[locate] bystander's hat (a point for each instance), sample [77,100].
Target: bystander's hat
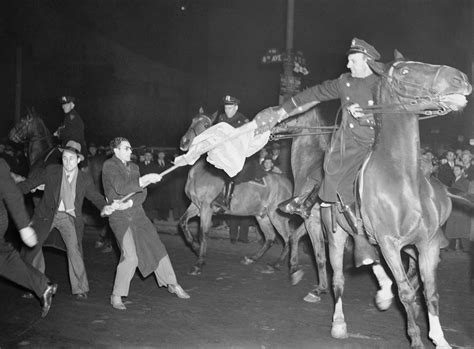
[73,147]
[359,45]
[66,99]
[230,100]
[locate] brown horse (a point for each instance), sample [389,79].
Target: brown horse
[204,184]
[32,131]
[400,207]
[311,137]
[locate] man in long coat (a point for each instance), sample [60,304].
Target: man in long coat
[12,267]
[136,235]
[60,210]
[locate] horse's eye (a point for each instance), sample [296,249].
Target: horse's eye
[404,71]
[457,82]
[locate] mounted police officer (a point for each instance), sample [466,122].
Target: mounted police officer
[73,126]
[355,136]
[233,117]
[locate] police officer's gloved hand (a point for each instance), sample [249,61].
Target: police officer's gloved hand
[356,111]
[268,118]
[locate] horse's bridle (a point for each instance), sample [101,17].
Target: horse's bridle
[200,117]
[416,104]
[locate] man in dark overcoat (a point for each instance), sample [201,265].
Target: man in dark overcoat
[12,267]
[60,211]
[137,237]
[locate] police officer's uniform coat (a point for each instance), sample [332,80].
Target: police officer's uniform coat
[352,141]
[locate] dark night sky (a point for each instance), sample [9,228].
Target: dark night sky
[141,68]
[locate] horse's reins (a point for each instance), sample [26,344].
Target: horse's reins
[275,135]
[399,108]
[430,97]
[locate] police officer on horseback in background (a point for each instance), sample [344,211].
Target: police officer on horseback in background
[73,126]
[251,170]
[353,140]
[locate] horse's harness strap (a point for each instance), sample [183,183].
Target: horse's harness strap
[416,103]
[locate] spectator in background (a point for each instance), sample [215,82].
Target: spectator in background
[275,154]
[163,193]
[459,222]
[148,165]
[269,166]
[178,200]
[446,169]
[262,155]
[466,158]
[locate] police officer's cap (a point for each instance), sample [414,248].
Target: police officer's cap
[359,45]
[230,100]
[66,99]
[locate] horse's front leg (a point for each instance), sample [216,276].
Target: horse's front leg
[269,234]
[191,211]
[296,272]
[428,262]
[337,241]
[205,225]
[315,232]
[384,297]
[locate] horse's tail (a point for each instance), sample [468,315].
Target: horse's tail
[461,197]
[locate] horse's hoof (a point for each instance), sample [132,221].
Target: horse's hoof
[247,261]
[442,344]
[383,300]
[268,270]
[339,329]
[195,271]
[296,277]
[312,298]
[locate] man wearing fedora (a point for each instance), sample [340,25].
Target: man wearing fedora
[60,210]
[73,126]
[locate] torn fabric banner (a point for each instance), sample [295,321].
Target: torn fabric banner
[226,147]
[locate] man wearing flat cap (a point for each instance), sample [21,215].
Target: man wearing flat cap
[60,210]
[355,136]
[72,128]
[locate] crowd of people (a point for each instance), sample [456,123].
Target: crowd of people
[454,168]
[125,185]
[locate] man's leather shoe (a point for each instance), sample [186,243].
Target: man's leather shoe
[178,290]
[81,296]
[47,298]
[116,302]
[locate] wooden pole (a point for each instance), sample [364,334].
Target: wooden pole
[19,60]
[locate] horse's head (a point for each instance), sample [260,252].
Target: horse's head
[22,129]
[199,124]
[427,88]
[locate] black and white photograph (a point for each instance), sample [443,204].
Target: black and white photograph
[232,174]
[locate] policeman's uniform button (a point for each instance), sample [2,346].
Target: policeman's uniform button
[370,102]
[371,128]
[348,84]
[351,125]
[347,98]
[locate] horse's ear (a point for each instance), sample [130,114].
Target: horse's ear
[398,55]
